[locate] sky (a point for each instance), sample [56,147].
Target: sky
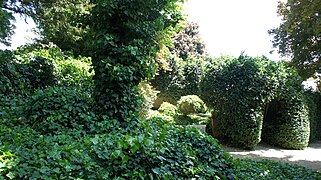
[228,27]
[23,33]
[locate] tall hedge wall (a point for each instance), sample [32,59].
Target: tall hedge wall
[239,89]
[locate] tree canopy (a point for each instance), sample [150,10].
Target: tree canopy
[58,21]
[299,35]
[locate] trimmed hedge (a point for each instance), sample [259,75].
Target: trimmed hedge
[313,102]
[238,89]
[286,124]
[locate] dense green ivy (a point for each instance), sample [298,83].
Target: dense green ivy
[123,40]
[23,71]
[156,150]
[313,102]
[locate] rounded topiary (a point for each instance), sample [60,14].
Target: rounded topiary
[168,109]
[191,104]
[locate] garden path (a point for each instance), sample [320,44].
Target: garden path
[309,157]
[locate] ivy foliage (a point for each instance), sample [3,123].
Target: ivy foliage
[23,71]
[123,40]
[239,89]
[148,152]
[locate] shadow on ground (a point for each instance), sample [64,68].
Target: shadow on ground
[309,157]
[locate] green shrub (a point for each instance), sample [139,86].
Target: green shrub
[11,81]
[66,70]
[55,109]
[21,72]
[239,89]
[149,95]
[157,114]
[191,104]
[287,117]
[287,124]
[168,109]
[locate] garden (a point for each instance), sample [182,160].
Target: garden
[118,98]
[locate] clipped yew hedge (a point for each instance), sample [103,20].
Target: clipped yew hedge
[240,89]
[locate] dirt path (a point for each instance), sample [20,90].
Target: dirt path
[309,157]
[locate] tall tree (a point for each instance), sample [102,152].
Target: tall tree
[123,41]
[299,35]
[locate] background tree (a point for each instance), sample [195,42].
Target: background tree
[299,35]
[57,21]
[188,42]
[184,70]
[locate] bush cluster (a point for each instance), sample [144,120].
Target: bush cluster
[24,71]
[190,110]
[53,132]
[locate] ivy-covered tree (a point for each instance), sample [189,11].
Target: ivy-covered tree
[299,35]
[123,41]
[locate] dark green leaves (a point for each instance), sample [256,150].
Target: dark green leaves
[299,35]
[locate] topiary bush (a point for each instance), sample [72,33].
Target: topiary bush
[286,124]
[191,104]
[287,117]
[239,90]
[168,109]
